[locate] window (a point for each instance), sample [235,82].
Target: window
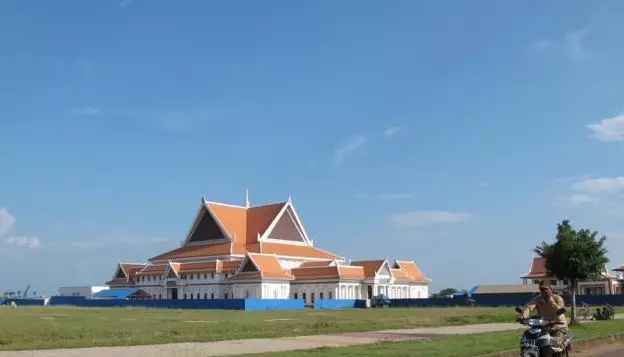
[197,296]
[184,296]
[211,296]
[205,276]
[247,294]
[205,296]
[191,276]
[225,296]
[312,298]
[330,295]
[304,297]
[159,296]
[296,296]
[321,296]
[226,275]
[211,275]
[149,278]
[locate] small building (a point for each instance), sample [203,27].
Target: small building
[123,294]
[505,289]
[86,291]
[607,285]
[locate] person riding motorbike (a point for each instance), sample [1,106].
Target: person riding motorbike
[547,304]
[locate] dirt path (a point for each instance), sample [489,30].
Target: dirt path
[615,350]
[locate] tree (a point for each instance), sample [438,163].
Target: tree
[576,255]
[445,292]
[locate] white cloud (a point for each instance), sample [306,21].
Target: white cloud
[385,196]
[602,184]
[354,143]
[541,46]
[604,193]
[86,110]
[7,222]
[21,241]
[392,130]
[428,218]
[573,44]
[608,129]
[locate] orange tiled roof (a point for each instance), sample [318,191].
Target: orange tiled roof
[329,272]
[131,268]
[412,270]
[292,250]
[195,251]
[315,264]
[244,224]
[153,269]
[231,265]
[400,274]
[199,267]
[118,282]
[538,269]
[269,268]
[371,267]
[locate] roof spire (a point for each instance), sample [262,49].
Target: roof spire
[247,203]
[290,199]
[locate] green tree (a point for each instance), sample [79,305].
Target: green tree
[445,292]
[576,255]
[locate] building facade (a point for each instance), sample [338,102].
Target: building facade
[86,291]
[608,285]
[233,251]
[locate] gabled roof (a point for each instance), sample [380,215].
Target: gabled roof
[620,268]
[153,269]
[413,272]
[266,267]
[539,271]
[128,271]
[371,267]
[243,227]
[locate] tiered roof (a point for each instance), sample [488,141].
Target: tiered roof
[538,270]
[249,241]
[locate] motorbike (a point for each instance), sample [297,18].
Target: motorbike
[535,340]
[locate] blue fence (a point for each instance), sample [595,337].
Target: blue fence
[274,304]
[27,302]
[335,304]
[223,304]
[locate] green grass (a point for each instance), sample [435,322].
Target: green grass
[28,328]
[451,346]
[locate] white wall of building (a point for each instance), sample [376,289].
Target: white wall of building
[87,291]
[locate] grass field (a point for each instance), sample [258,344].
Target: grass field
[452,346]
[66,327]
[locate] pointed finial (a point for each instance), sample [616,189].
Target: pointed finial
[290,199]
[203,198]
[247,203]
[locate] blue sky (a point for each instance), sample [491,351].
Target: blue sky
[453,133]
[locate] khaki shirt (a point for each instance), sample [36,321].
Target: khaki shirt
[546,309]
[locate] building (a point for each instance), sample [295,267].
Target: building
[607,285]
[233,251]
[86,291]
